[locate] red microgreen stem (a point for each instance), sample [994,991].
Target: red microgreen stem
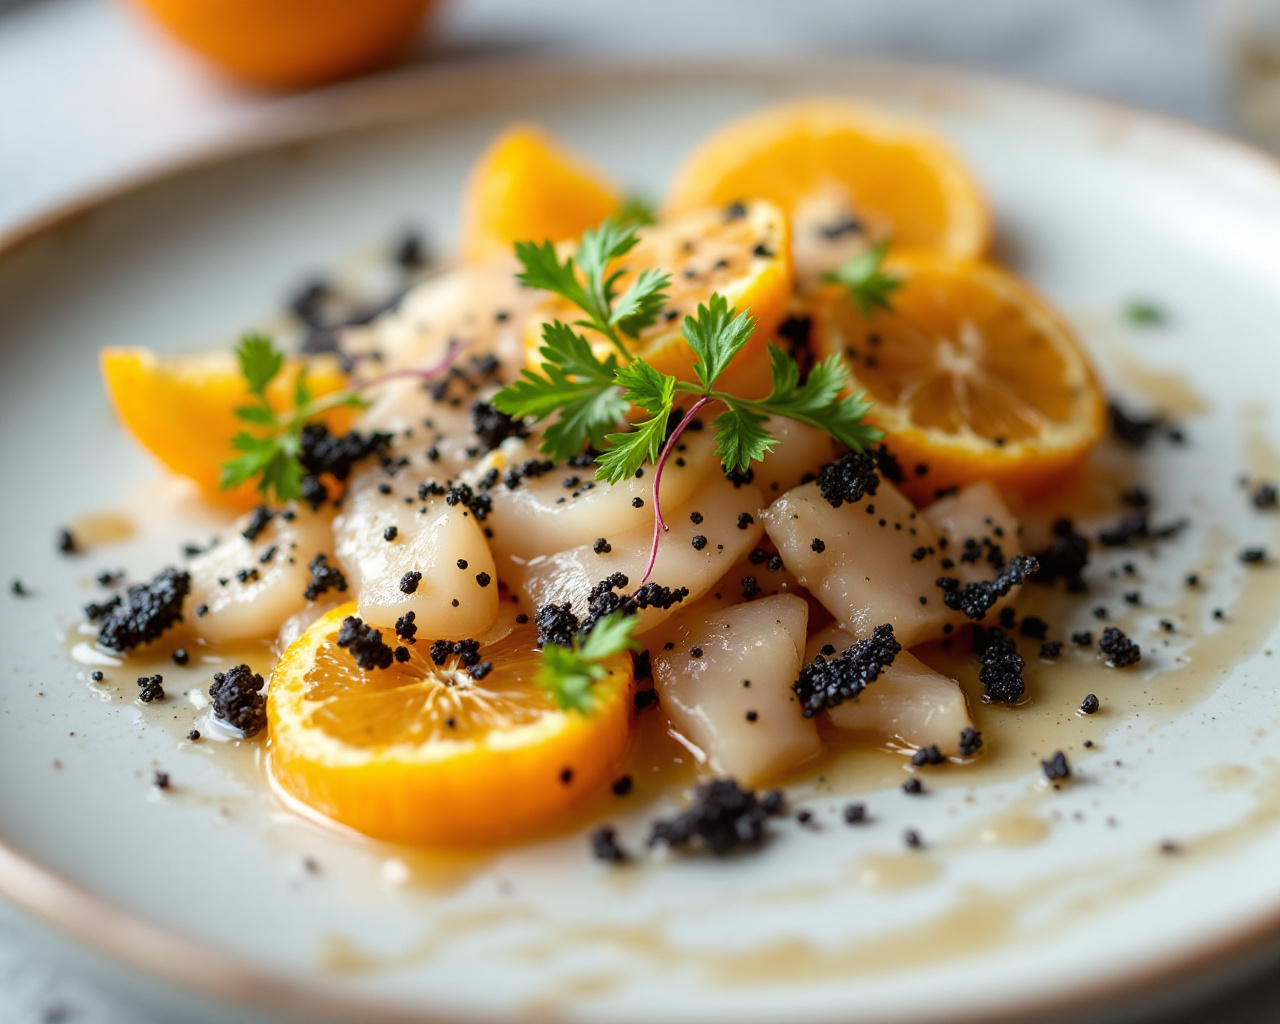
[455,349]
[659,523]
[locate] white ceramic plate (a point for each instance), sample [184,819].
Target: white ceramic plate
[1027,901]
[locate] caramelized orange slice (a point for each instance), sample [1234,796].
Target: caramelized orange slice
[525,187]
[430,754]
[182,409]
[974,376]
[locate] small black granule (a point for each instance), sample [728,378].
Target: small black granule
[462,494]
[695,652]
[180,656]
[406,630]
[365,644]
[774,564]
[722,817]
[96,675]
[160,780]
[409,581]
[484,579]
[493,427]
[410,252]
[259,519]
[827,683]
[1008,618]
[149,689]
[476,672]
[913,787]
[637,502]
[970,742]
[645,699]
[402,654]
[1136,497]
[556,624]
[248,575]
[1065,558]
[1051,649]
[604,846]
[323,452]
[699,542]
[1118,648]
[642,666]
[1090,704]
[601,546]
[745,519]
[17,589]
[927,755]
[695,518]
[804,816]
[912,838]
[193,735]
[848,478]
[144,612]
[854,814]
[1265,496]
[236,698]
[1056,767]
[1034,628]
[466,651]
[67,542]
[977,598]
[521,619]
[1082,639]
[324,577]
[622,785]
[390,533]
[1133,431]
[1002,665]
[817,545]
[750,587]
[1253,556]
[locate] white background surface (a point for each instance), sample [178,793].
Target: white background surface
[89,94]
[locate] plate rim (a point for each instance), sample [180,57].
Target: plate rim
[170,957]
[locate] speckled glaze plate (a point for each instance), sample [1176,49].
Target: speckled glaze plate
[1148,879]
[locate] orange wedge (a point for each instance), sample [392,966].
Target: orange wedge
[838,167]
[525,187]
[741,251]
[974,376]
[420,753]
[182,409]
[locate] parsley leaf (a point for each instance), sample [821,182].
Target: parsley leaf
[568,674]
[260,362]
[717,334]
[638,210]
[865,279]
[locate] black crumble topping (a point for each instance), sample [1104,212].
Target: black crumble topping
[180,656]
[466,651]
[324,577]
[927,756]
[1253,556]
[150,688]
[977,598]
[492,427]
[337,455]
[406,630]
[143,612]
[1002,665]
[365,644]
[604,846]
[409,581]
[1084,638]
[848,478]
[1051,649]
[462,494]
[827,683]
[970,741]
[67,542]
[259,519]
[913,787]
[530,469]
[484,579]
[1056,768]
[1136,526]
[1090,704]
[601,546]
[1065,558]
[745,519]
[1265,496]
[854,814]
[236,698]
[390,533]
[1034,628]
[1133,431]
[722,817]
[1120,651]
[889,466]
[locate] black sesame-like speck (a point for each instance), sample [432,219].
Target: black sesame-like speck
[928,756]
[1051,649]
[193,735]
[817,545]
[970,741]
[1002,665]
[695,518]
[622,785]
[409,581]
[1090,704]
[601,546]
[913,787]
[484,579]
[699,542]
[390,534]
[1056,768]
[637,502]
[1253,556]
[96,675]
[745,519]
[695,652]
[912,838]
[854,814]
[180,656]
[67,543]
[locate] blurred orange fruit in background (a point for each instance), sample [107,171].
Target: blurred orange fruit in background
[291,43]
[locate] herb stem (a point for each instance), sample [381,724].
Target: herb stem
[659,523]
[451,354]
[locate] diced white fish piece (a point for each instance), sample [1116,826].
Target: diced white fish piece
[826,233]
[801,450]
[860,560]
[406,405]
[908,706]
[483,307]
[733,698]
[978,514]
[446,544]
[567,507]
[249,588]
[570,575]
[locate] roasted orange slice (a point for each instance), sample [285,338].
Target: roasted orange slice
[437,754]
[527,187]
[741,251]
[182,408]
[974,376]
[844,173]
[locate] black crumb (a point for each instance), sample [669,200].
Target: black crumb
[722,817]
[236,698]
[826,683]
[1090,704]
[1002,665]
[854,814]
[193,735]
[180,656]
[143,612]
[324,577]
[912,838]
[849,478]
[622,785]
[970,742]
[976,598]
[1056,767]
[1051,649]
[150,688]
[409,581]
[1253,556]
[160,780]
[67,542]
[365,644]
[927,755]
[1120,651]
[604,846]
[913,787]
[1265,496]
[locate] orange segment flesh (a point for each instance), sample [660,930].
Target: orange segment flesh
[423,754]
[974,377]
[182,409]
[525,187]
[743,253]
[896,178]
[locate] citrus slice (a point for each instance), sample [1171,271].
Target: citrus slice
[741,250]
[425,753]
[974,376]
[182,409]
[525,187]
[846,174]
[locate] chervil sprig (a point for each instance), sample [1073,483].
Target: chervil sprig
[866,280]
[569,674]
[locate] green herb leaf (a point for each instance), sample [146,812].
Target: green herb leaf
[262,415]
[867,283]
[639,305]
[260,362]
[569,673]
[716,334]
[741,437]
[646,387]
[638,211]
[1144,313]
